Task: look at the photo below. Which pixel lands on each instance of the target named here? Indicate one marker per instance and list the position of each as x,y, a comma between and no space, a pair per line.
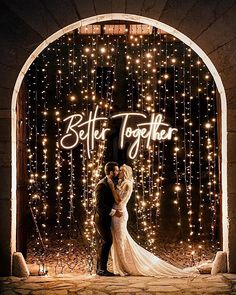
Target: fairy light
211,156
190,146
200,187
216,202
36,146
58,157
159,79
177,188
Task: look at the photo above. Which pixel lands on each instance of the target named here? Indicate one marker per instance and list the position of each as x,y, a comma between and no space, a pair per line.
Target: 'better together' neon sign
86,130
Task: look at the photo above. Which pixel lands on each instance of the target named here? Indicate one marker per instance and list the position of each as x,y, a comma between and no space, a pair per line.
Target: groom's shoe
105,273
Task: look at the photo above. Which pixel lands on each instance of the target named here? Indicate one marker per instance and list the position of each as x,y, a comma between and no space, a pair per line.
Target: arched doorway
169,30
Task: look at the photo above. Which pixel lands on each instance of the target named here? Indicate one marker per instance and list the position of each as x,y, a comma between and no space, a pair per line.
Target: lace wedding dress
128,257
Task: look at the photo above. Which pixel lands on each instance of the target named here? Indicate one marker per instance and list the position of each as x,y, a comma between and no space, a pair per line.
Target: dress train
129,258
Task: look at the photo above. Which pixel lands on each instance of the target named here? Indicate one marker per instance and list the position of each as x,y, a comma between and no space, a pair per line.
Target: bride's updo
128,172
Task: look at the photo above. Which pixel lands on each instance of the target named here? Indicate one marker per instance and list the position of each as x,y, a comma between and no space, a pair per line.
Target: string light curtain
176,182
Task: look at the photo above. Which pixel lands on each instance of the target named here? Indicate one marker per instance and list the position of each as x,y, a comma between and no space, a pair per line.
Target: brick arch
168,29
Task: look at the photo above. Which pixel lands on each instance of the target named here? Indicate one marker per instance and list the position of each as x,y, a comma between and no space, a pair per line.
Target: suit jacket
104,198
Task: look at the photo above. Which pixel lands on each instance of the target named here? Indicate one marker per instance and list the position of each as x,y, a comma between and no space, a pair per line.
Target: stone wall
26,24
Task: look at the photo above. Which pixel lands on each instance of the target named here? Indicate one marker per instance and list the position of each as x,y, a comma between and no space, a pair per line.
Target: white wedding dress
127,256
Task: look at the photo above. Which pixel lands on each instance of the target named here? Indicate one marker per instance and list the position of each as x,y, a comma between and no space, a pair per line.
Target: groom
104,211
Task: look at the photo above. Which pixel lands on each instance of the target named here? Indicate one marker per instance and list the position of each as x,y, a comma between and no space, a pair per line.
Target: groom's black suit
104,204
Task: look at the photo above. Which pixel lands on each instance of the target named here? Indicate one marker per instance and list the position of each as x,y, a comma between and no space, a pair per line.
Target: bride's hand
111,183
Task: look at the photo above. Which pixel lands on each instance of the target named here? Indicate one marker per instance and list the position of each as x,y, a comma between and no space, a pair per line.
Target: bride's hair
128,172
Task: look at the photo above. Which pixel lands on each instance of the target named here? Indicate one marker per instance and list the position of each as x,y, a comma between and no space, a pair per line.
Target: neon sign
79,130
154,130
134,128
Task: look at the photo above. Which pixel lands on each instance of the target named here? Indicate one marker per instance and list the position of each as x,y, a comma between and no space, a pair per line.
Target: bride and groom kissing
128,258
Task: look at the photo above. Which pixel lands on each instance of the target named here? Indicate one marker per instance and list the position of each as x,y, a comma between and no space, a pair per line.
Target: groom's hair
110,167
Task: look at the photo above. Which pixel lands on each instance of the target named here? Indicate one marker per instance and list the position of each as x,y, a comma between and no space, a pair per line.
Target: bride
128,257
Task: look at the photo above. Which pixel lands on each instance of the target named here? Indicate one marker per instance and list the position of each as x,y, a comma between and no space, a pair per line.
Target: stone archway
144,20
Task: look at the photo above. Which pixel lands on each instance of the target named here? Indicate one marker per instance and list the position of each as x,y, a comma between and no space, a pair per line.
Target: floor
89,285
